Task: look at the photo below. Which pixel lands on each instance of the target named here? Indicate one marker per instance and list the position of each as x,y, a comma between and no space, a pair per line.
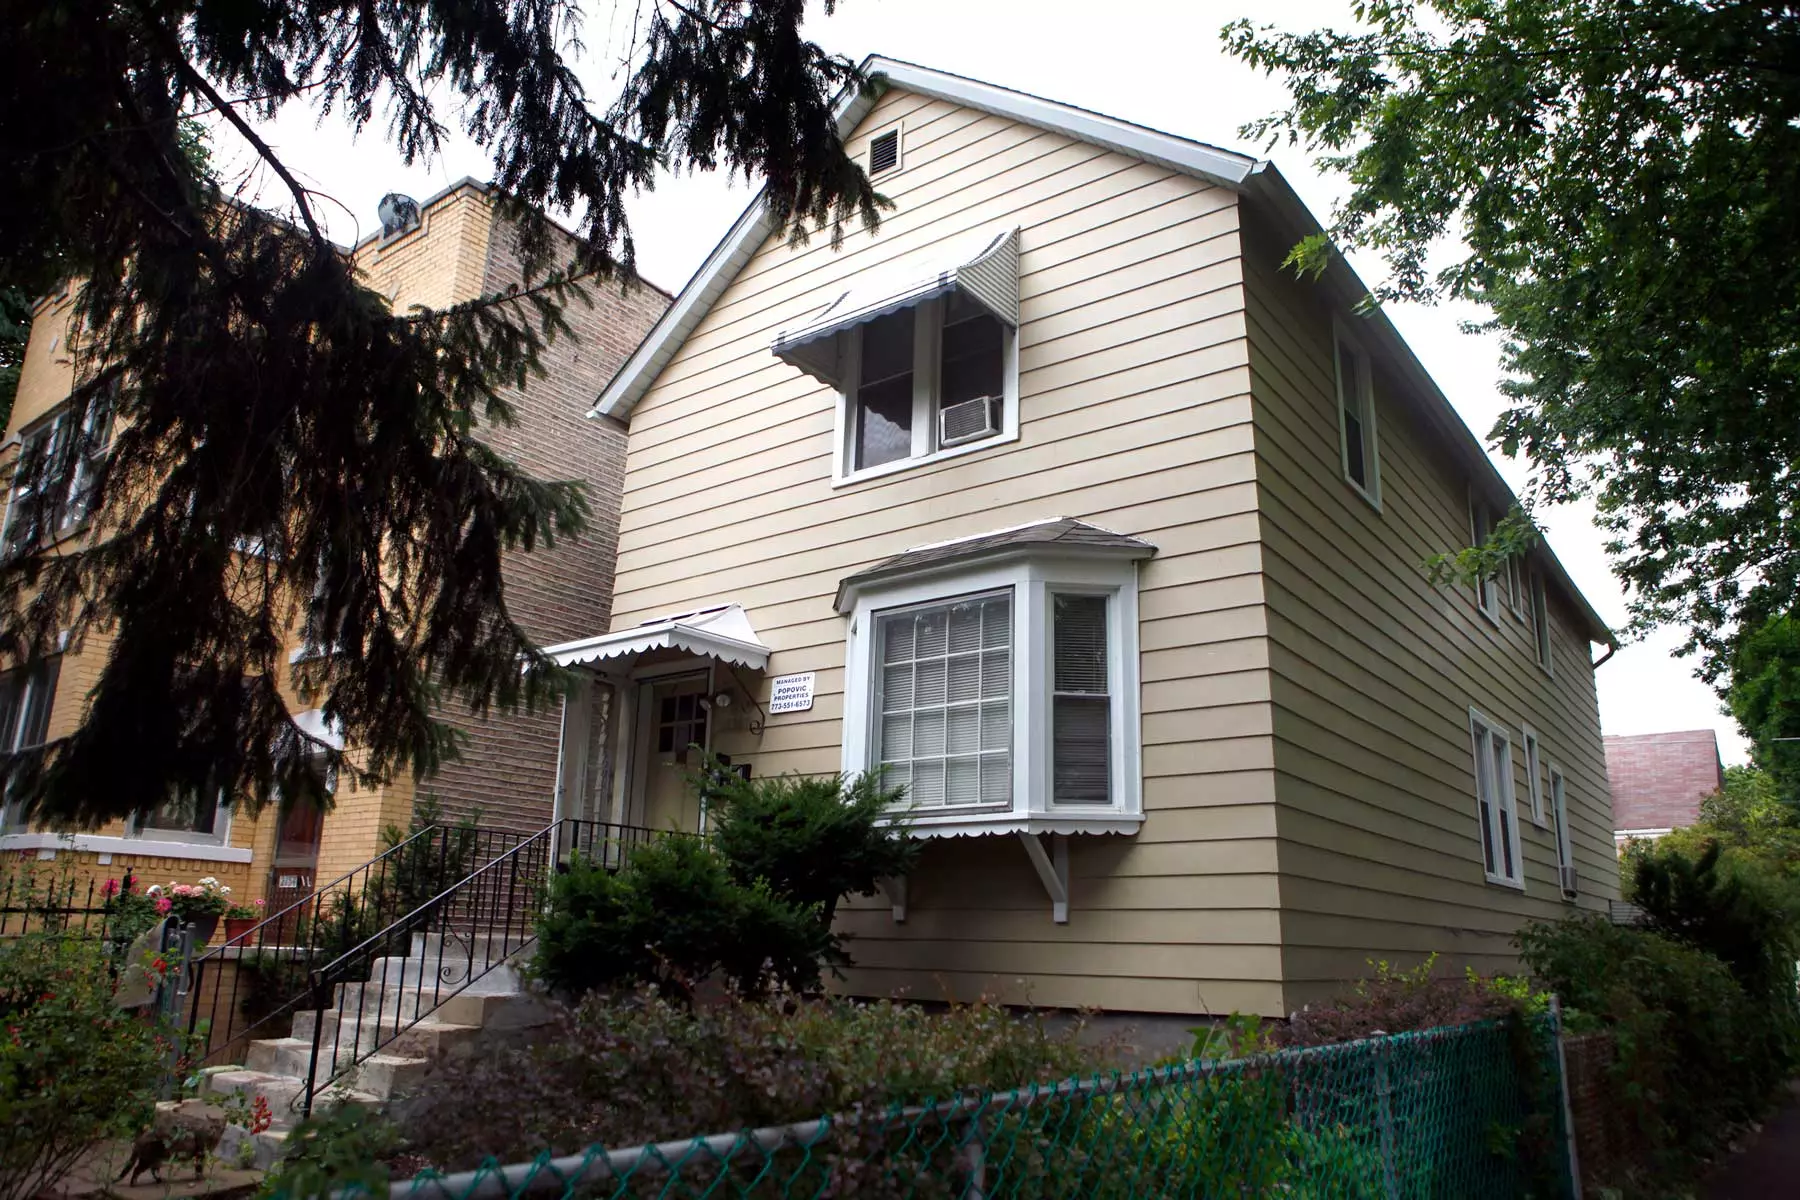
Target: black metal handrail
491,917
272,961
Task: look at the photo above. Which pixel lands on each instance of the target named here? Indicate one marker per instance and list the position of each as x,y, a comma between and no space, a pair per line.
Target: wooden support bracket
1052,870
895,888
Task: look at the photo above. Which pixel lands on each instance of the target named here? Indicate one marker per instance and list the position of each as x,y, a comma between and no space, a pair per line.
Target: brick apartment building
1659,779
453,248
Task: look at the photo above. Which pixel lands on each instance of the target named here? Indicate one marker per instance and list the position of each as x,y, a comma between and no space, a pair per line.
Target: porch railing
249,986
372,993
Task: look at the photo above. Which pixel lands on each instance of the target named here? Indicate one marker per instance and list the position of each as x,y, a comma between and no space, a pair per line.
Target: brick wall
508,769
1658,779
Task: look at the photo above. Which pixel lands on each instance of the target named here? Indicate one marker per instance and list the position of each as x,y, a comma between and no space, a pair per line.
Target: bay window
1001,692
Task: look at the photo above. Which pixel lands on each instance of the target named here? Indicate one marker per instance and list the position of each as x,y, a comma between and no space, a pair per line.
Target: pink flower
164,904
109,889
259,902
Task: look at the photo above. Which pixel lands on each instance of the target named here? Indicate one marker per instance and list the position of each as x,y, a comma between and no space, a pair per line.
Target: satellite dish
398,214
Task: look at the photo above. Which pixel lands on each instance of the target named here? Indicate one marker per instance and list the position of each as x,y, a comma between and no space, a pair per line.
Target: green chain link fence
1466,1112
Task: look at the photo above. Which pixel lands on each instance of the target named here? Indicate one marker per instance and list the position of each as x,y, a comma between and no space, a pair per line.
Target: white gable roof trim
985,268
1218,166
723,632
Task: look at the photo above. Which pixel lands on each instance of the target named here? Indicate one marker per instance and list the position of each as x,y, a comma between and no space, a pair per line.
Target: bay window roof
1058,534
983,267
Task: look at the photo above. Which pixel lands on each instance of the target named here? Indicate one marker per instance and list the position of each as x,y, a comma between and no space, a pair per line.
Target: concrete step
486,945
340,1041
282,1093
493,974
388,1075
264,1148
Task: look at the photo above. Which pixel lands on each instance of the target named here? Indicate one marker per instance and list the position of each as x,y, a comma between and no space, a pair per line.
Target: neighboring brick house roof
1659,779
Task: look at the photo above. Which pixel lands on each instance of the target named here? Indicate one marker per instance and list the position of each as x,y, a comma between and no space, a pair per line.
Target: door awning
984,267
722,632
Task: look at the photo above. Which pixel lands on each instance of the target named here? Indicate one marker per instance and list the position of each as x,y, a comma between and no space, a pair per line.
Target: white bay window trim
1032,582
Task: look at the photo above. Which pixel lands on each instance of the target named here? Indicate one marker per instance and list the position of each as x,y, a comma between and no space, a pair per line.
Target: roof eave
1267,184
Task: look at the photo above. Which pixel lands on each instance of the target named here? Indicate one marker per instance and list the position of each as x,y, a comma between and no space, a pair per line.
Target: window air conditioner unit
1568,880
969,421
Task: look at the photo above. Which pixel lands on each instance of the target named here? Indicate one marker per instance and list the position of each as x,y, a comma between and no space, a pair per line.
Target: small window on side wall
1487,588
1496,803
1540,623
1356,416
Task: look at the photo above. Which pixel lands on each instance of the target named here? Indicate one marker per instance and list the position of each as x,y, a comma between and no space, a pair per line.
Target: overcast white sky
1160,64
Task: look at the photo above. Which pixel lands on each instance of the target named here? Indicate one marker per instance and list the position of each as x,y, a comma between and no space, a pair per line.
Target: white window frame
1501,797
1033,581
1518,598
1533,746
1543,633
11,817
1559,811
135,830
1487,587
1342,338
927,325
56,427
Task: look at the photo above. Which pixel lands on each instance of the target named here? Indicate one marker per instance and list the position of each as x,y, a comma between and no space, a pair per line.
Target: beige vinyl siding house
1282,783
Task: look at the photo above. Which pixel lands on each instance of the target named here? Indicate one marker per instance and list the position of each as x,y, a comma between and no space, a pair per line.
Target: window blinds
1081,767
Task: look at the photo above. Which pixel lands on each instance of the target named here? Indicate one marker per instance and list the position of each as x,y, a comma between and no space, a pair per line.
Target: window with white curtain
944,699
1496,803
27,695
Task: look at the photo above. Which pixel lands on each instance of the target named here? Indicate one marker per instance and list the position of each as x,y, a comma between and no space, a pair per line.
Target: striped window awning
984,267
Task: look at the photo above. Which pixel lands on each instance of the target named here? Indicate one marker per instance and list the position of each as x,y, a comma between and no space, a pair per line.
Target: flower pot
237,927
204,927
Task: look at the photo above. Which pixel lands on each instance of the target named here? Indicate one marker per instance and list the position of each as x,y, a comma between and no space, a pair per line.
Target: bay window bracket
894,887
1052,870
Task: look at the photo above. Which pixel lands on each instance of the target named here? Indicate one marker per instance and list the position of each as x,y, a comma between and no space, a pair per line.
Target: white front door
671,723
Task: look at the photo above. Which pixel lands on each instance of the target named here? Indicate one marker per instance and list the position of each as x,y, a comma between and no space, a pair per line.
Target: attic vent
884,152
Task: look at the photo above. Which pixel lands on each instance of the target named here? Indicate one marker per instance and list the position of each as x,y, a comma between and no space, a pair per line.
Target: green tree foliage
1750,817
1615,180
75,1071
1765,698
812,838
1732,910
15,331
262,398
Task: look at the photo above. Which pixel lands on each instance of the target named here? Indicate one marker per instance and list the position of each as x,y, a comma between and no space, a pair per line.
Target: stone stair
407,1016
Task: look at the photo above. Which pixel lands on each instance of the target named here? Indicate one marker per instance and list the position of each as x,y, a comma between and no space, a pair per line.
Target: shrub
75,1071
1396,1001
753,904
673,916
642,1069
812,839
1734,910
1690,1044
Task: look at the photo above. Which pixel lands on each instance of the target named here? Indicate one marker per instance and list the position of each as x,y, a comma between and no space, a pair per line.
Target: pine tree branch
171,47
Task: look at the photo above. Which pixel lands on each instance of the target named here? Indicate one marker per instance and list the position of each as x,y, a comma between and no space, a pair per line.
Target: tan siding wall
1134,416
1373,671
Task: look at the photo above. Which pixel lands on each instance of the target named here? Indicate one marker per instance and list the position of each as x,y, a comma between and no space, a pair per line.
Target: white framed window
1496,804
1516,599
1559,815
53,476
930,381
1005,696
1356,415
27,694
198,817
1534,773
1487,588
1540,624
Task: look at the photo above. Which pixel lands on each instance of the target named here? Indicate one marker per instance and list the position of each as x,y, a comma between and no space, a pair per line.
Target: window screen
1081,767
943,703
884,393
1540,621
1496,803
971,360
